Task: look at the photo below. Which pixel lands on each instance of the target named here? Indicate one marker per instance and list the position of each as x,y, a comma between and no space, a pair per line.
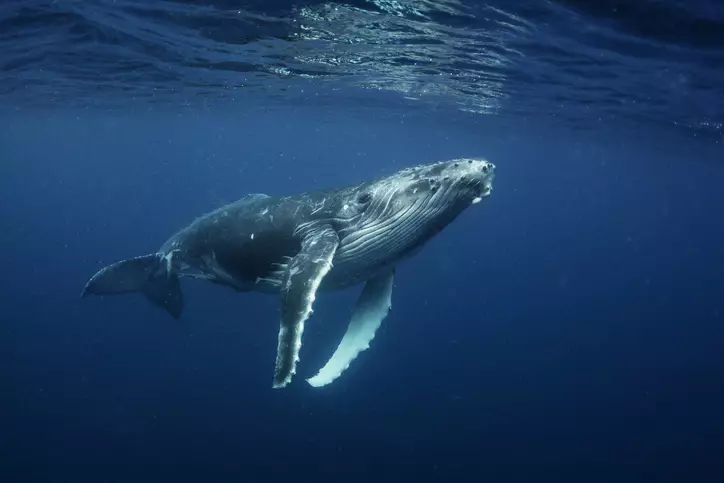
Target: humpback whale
295,246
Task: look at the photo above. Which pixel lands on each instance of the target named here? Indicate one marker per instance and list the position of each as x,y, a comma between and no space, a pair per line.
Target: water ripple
577,60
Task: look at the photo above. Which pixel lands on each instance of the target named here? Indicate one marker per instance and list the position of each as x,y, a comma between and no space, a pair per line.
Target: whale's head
401,212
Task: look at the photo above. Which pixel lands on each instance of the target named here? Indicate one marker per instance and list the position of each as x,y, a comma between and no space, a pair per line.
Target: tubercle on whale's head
470,176
457,181
399,212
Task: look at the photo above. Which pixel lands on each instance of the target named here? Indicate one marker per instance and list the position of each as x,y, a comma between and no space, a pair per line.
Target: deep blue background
569,328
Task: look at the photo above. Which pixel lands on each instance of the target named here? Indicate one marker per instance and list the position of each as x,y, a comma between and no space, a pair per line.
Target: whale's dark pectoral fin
302,277
147,274
372,307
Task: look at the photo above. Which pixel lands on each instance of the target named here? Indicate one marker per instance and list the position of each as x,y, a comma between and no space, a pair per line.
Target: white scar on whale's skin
294,246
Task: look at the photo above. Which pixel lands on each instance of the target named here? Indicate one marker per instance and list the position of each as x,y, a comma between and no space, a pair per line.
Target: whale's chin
486,190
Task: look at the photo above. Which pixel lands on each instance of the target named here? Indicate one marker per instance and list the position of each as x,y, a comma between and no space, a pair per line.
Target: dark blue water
568,329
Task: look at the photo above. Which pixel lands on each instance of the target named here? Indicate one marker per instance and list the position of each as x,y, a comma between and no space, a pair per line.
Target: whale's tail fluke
148,274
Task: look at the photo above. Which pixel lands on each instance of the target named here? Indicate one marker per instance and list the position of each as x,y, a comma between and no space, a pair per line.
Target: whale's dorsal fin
372,307
302,277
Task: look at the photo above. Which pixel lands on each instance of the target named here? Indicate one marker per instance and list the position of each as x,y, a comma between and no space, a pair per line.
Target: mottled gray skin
246,244
298,245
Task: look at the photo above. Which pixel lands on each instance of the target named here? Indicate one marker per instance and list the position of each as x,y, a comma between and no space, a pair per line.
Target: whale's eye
364,198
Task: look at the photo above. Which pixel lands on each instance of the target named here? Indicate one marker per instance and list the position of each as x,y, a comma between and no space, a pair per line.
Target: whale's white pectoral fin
373,305
302,277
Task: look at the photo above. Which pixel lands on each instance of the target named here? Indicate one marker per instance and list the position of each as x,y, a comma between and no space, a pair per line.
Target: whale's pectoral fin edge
302,277
372,307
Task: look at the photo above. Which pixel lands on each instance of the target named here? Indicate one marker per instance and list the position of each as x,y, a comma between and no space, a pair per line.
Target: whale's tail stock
149,274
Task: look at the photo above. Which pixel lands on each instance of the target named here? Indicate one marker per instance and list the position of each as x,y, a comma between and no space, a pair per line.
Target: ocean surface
569,328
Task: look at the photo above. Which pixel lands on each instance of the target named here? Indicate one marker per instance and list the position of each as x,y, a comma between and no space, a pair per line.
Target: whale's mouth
488,186
485,188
